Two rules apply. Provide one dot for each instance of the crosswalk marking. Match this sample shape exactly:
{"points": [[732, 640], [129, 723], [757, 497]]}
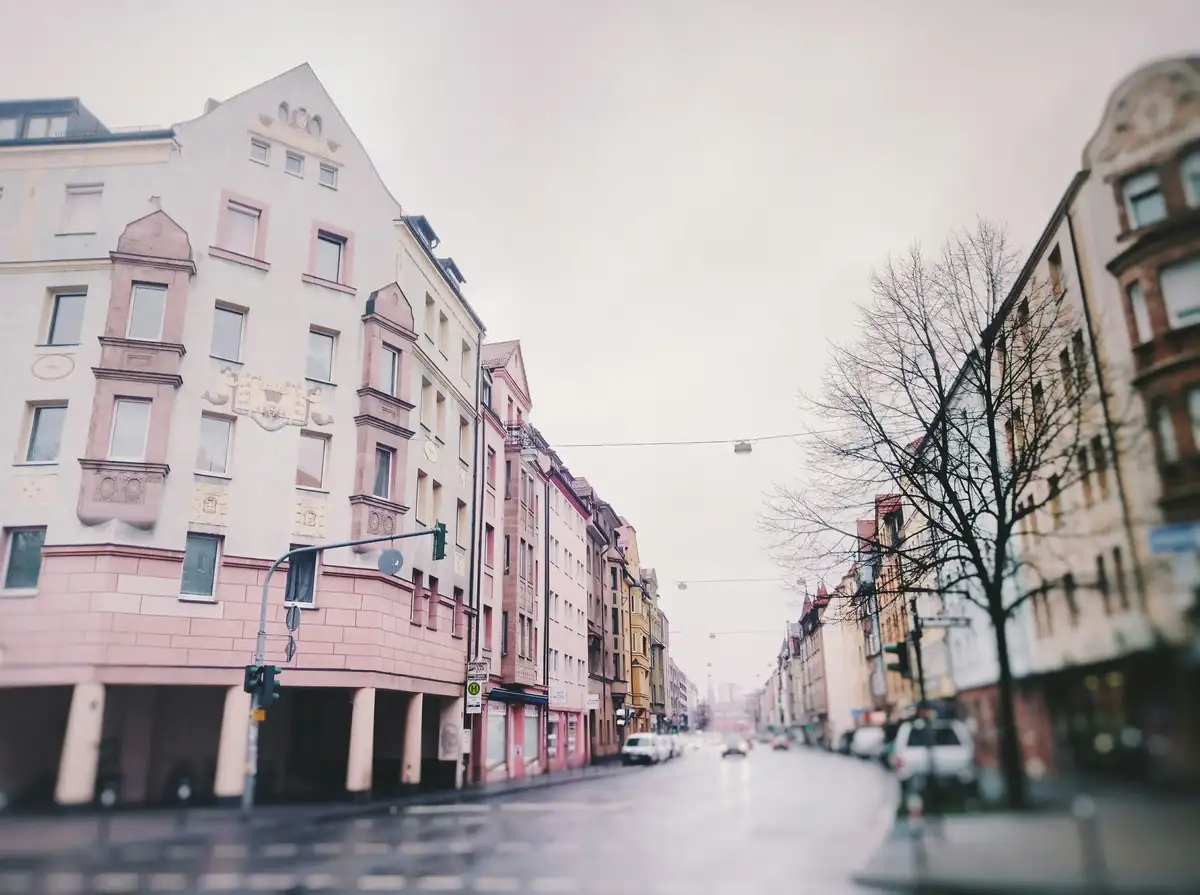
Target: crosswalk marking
{"points": [[519, 848], [16, 882], [64, 883], [168, 882], [440, 883], [328, 848], [271, 882], [233, 850], [546, 806], [380, 883], [317, 881], [555, 885], [220, 882], [281, 850], [453, 808], [115, 882], [371, 848]]}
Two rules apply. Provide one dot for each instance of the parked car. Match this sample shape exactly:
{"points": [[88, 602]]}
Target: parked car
{"points": [[677, 745], [868, 742], [781, 743], [843, 745], [735, 746], [944, 748], [642, 748]]}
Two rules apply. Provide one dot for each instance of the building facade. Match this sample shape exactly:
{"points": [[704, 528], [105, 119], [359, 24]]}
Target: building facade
{"points": [[218, 350]]}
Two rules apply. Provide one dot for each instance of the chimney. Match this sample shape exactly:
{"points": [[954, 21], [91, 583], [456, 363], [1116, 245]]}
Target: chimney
{"points": [[210, 104]]}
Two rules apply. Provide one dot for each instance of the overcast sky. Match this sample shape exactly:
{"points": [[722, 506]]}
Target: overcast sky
{"points": [[673, 205]]}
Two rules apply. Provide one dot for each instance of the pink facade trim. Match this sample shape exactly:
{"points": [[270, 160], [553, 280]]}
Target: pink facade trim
{"points": [[346, 273], [260, 236]]}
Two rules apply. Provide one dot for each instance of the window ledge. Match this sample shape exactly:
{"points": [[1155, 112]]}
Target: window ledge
{"points": [[238, 258], [327, 284], [197, 598], [312, 490], [223, 476], [311, 604], [36, 463], [60, 345], [76, 233], [16, 592], [227, 360]]}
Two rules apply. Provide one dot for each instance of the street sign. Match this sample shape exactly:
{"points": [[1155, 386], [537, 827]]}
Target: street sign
{"points": [[477, 679], [391, 562], [945, 621], [1178, 537], [289, 651], [292, 619]]}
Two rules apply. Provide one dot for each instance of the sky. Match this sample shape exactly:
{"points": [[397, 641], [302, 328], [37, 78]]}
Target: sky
{"points": [[673, 205]]}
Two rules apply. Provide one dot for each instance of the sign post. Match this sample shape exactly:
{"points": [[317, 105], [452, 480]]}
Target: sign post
{"points": [[477, 678]]}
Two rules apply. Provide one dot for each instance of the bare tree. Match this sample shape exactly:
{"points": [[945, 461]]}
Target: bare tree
{"points": [[964, 397]]}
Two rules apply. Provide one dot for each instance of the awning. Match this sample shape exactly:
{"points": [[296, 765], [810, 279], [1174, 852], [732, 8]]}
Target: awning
{"points": [[500, 695]]}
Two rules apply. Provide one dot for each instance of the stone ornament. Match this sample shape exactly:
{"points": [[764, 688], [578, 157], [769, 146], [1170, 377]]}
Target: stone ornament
{"points": [[381, 522], [308, 520], [127, 488], [210, 503], [1161, 105], [449, 742], [53, 366], [273, 404], [34, 490]]}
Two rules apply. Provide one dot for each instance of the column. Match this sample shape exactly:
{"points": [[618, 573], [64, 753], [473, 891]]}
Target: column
{"points": [[411, 771], [452, 719], [362, 743], [231, 750], [81, 746]]}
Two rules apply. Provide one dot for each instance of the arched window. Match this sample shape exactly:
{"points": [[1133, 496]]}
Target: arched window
{"points": [[1189, 173], [284, 112], [314, 125]]}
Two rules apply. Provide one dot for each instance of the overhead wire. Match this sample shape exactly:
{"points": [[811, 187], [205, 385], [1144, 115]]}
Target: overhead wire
{"points": [[680, 443]]}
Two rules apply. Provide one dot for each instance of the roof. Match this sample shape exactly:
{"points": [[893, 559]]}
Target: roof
{"points": [[496, 354], [887, 503]]}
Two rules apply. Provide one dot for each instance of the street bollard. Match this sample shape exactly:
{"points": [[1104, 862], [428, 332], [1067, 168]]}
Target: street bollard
{"points": [[916, 828], [1095, 869], [108, 798], [183, 794]]}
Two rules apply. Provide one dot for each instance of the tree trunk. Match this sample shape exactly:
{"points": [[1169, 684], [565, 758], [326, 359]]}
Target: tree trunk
{"points": [[1011, 766]]}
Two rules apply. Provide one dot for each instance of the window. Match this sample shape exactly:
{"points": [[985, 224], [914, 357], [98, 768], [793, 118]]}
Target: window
{"points": [[294, 164], [465, 365], [319, 364], [146, 309], [426, 403], [552, 734], [1069, 591], [1164, 427], [1193, 403], [1077, 349], [227, 334], [1102, 583], [497, 736], [1119, 575], [1100, 464], [441, 417], [383, 472], [464, 440], [329, 256], [82, 212], [1144, 201], [1055, 502], [213, 452], [431, 617], [328, 176], [443, 341], [423, 497], [504, 628], [1180, 286], [24, 561], [460, 524], [491, 467], [310, 466], [507, 553], [241, 229], [489, 545], [1141, 315], [199, 566], [45, 434], [301, 578], [389, 371], [66, 318], [487, 627], [260, 152], [430, 317], [1189, 173], [486, 398], [130, 426], [8, 128], [46, 126], [437, 501], [507, 479], [1084, 477], [1056, 271]]}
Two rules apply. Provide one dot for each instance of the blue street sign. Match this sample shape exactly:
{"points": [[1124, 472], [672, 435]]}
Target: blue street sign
{"points": [[1179, 537]]}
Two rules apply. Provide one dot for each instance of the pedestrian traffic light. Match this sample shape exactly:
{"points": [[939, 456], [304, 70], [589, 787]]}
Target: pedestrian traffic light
{"points": [[901, 664], [439, 541], [270, 686], [252, 679]]}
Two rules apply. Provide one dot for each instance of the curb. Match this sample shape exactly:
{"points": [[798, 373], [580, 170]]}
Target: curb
{"points": [[980, 887]]}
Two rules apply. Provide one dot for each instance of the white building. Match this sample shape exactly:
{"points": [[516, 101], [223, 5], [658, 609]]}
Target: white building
{"points": [[225, 339]]}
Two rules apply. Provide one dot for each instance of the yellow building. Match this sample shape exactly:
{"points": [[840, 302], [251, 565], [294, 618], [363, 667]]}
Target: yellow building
{"points": [[638, 714]]}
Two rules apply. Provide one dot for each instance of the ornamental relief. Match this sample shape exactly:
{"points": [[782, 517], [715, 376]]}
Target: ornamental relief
{"points": [[126, 488], [1163, 105], [273, 404]]}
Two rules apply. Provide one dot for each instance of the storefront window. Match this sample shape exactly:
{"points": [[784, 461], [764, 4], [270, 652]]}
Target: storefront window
{"points": [[497, 733], [552, 736], [571, 732], [532, 739]]}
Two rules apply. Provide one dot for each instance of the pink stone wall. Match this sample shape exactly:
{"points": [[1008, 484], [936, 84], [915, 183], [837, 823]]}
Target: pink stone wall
{"points": [[121, 609]]}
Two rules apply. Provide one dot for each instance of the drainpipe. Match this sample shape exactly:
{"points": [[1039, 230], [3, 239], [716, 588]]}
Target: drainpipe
{"points": [[546, 610], [473, 593], [1110, 429]]}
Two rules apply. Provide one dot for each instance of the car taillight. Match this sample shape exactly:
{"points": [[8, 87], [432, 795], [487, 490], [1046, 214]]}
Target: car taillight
{"points": [[897, 762]]}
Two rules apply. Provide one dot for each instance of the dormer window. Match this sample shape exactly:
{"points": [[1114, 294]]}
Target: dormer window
{"points": [[1144, 200], [1189, 173]]}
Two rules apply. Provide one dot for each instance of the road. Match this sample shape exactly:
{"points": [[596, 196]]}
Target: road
{"points": [[797, 821]]}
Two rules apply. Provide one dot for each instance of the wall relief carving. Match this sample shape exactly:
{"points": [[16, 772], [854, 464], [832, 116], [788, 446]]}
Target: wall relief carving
{"points": [[1161, 105], [210, 503], [273, 404], [308, 521], [53, 366]]}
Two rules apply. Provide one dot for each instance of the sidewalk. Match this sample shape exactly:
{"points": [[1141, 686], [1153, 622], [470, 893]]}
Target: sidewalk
{"points": [[1146, 845], [45, 835]]}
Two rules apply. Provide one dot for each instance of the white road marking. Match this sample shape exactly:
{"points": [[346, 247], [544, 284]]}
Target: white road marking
{"points": [[546, 806], [496, 884], [458, 847], [454, 808], [183, 852], [328, 848], [281, 850], [420, 848], [64, 883], [371, 848], [16, 882], [520, 848], [440, 883], [563, 846], [271, 882], [137, 853], [230, 850], [220, 882], [168, 882], [318, 881], [379, 883], [115, 882], [555, 885]]}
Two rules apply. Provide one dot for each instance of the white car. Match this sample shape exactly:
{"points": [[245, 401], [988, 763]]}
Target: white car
{"points": [[868, 742], [642, 748], [945, 746]]}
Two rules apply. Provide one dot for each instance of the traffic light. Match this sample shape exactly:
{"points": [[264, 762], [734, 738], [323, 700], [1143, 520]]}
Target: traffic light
{"points": [[270, 686], [439, 541], [900, 651], [252, 679]]}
